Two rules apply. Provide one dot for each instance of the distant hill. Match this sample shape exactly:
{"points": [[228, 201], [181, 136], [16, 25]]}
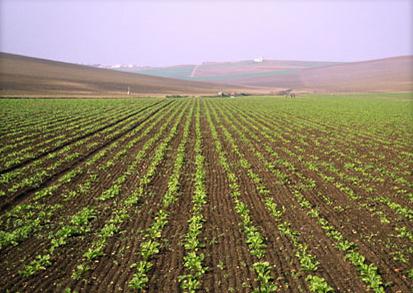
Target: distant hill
{"points": [[20, 75], [177, 72], [228, 72], [389, 74]]}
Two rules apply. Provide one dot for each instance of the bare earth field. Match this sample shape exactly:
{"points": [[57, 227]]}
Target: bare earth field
{"points": [[32, 77], [253, 194], [26, 76], [382, 75]]}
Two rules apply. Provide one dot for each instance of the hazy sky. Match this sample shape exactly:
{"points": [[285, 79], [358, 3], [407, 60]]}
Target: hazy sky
{"points": [[181, 32]]}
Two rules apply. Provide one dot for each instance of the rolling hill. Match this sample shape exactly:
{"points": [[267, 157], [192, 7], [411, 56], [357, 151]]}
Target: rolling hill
{"points": [[21, 75], [389, 74], [228, 72]]}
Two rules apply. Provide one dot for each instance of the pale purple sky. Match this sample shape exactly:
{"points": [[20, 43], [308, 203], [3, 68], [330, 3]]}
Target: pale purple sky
{"points": [[186, 32]]}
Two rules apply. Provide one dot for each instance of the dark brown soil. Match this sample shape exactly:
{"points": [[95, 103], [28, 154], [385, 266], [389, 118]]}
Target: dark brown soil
{"points": [[227, 257]]}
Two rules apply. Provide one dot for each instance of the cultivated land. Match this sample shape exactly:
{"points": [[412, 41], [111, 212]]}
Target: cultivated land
{"points": [[263, 194], [382, 75], [27, 76], [22, 76]]}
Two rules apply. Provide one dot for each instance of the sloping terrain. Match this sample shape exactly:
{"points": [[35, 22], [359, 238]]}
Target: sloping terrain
{"points": [[177, 72], [20, 75], [389, 74], [230, 72]]}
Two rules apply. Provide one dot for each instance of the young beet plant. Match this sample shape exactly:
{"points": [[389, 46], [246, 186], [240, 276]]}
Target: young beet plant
{"points": [[190, 281], [368, 273], [79, 224], [307, 261], [263, 270], [254, 238], [112, 227], [151, 245]]}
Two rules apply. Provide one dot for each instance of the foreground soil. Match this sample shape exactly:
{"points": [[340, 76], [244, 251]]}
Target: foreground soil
{"points": [[324, 182]]}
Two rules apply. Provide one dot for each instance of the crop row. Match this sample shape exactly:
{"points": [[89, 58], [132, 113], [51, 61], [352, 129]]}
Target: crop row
{"points": [[368, 272], [311, 166], [329, 141], [26, 218], [308, 262], [253, 237], [118, 215], [53, 135], [150, 245], [190, 280], [18, 159], [53, 115], [45, 167]]}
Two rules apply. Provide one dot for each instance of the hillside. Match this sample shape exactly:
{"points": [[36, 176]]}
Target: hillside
{"points": [[389, 74], [20, 75], [229, 72]]}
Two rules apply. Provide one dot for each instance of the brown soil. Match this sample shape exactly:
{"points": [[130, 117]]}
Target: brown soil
{"points": [[356, 224], [32, 246], [19, 195], [227, 257]]}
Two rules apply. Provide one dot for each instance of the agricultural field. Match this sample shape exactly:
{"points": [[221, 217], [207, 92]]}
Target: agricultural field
{"points": [[251, 194]]}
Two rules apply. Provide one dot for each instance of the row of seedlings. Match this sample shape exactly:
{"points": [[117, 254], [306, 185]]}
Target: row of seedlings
{"points": [[308, 262], [28, 118], [253, 237], [353, 164], [100, 202], [151, 243], [191, 279], [55, 160], [32, 151], [368, 271], [353, 158], [313, 166], [23, 220], [27, 127], [363, 135], [121, 213], [23, 172], [68, 154], [399, 230], [60, 133], [333, 136]]}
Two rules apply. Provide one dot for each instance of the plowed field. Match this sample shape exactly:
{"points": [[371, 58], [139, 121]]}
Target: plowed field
{"points": [[252, 194]]}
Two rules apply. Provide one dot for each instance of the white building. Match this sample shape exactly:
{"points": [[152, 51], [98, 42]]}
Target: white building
{"points": [[258, 60]]}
